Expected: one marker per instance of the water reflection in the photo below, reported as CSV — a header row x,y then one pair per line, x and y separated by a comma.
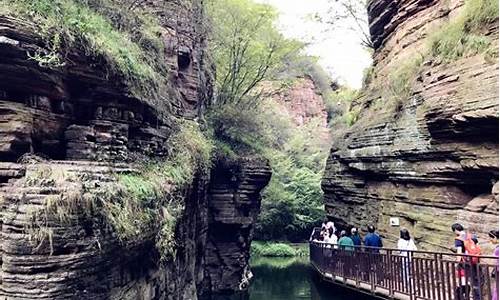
x,y
293,279
289,279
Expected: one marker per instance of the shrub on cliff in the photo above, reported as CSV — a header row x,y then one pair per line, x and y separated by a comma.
x,y
462,36
338,106
135,205
250,130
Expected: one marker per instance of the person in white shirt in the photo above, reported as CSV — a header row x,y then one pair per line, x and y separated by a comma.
x,y
330,238
406,244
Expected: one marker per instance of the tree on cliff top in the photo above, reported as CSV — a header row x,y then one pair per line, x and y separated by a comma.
x,y
253,60
247,49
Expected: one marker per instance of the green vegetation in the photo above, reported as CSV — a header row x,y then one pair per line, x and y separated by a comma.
x,y
254,62
125,39
136,204
277,263
292,202
462,36
278,249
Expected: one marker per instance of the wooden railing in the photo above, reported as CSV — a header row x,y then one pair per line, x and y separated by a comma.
x,y
391,274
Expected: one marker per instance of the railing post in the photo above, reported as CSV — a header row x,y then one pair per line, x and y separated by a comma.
x,y
372,269
434,274
411,270
391,275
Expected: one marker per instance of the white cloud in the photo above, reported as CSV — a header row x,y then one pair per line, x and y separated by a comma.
x,y
340,51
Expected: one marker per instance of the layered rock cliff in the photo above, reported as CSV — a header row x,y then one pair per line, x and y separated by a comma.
x,y
86,128
232,213
427,153
303,102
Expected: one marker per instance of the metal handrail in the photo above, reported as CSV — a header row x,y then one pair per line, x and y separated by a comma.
x,y
395,249
413,251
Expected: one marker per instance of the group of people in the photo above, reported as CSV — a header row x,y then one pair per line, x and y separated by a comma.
x,y
464,243
467,243
328,235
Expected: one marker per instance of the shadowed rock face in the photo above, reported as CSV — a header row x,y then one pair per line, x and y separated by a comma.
x,y
90,127
434,160
83,259
234,204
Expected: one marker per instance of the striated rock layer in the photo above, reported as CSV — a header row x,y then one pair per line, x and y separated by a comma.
x,y
83,259
89,128
430,160
233,210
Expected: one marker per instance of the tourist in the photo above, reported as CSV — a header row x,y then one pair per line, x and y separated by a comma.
x,y
345,242
323,225
462,291
406,244
356,239
316,236
330,224
493,234
330,238
465,244
373,240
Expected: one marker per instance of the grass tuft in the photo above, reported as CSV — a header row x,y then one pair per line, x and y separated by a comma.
x,y
276,249
127,41
462,36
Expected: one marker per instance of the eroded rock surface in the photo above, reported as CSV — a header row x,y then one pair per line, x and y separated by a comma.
x,y
433,160
234,204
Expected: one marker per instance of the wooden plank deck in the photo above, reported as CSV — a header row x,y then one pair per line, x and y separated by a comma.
x,y
361,287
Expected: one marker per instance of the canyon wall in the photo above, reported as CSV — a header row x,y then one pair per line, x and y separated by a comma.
x,y
429,156
85,126
303,102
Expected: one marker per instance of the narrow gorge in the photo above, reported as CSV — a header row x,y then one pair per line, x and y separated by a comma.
x,y
144,144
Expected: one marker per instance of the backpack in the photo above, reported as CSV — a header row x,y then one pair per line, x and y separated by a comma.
x,y
471,249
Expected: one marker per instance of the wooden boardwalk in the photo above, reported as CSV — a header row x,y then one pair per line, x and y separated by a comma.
x,y
417,275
